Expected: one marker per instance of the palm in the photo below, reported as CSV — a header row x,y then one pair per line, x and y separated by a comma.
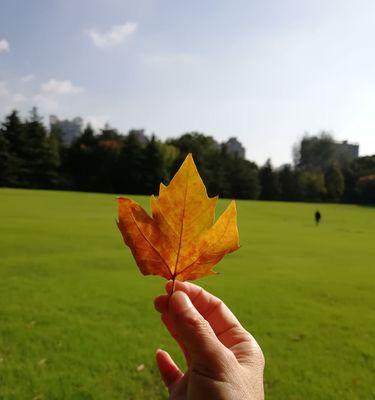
x,y
207,375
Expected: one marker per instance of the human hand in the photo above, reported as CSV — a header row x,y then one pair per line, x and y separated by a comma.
x,y
224,360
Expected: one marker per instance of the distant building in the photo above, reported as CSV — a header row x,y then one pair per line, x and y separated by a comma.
x,y
347,151
70,129
234,148
140,135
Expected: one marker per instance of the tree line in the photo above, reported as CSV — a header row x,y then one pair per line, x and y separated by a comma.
x,y
32,156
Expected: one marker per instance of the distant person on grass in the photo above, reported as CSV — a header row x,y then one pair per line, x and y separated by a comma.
x,y
224,360
318,217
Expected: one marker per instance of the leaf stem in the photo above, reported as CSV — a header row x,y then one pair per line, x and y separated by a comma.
x,y
173,285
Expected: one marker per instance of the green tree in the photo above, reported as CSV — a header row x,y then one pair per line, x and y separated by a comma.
x,y
334,182
13,130
288,183
4,161
366,189
130,165
353,172
41,162
270,189
13,134
154,168
170,154
106,153
80,162
312,185
206,153
242,179
235,177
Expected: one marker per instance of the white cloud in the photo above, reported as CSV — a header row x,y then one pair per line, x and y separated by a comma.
x,y
19,97
4,45
7,95
56,87
114,36
171,59
96,121
27,78
53,96
4,92
49,97
9,100
45,103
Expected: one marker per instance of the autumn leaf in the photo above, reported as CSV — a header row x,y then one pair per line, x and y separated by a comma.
x,y
181,241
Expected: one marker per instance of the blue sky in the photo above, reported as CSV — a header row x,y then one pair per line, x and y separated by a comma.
x,y
264,71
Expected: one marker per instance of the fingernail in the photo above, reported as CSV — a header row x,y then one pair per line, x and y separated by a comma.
x,y
180,301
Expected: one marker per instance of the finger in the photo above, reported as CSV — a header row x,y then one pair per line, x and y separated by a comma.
x,y
223,322
196,334
225,325
161,303
169,371
204,301
169,325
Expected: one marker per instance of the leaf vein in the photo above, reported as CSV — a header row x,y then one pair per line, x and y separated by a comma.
x,y
147,240
206,251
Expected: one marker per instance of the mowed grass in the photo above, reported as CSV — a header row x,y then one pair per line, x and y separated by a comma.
x,y
77,318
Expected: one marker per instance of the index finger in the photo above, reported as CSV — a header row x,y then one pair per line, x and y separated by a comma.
x,y
223,322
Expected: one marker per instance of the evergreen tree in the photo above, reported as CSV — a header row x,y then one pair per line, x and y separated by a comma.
x,y
107,151
206,153
154,167
4,161
13,130
268,181
80,163
87,139
108,162
235,177
41,162
13,133
129,166
243,179
288,183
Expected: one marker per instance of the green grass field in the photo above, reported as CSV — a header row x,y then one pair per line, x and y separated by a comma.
x,y
77,318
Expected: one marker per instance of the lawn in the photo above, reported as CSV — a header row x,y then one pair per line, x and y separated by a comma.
x,y
77,319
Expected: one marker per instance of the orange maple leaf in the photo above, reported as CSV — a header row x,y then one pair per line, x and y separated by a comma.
x,y
180,241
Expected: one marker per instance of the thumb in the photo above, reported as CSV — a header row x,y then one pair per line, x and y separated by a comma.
x,y
195,332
